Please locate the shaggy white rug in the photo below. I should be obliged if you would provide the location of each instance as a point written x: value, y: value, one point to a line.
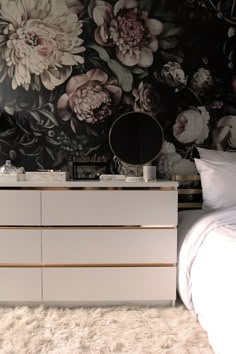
x: 102, y: 330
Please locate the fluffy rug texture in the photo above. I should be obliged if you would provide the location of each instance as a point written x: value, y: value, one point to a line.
x: 101, y: 330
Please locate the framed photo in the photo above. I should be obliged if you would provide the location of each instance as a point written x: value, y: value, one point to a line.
x: 89, y: 170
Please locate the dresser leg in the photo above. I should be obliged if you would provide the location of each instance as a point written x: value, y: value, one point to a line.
x: 173, y: 303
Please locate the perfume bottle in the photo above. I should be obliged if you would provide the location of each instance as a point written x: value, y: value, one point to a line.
x: 8, y: 168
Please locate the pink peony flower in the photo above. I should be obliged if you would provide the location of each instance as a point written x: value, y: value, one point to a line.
x: 131, y: 32
x: 89, y: 97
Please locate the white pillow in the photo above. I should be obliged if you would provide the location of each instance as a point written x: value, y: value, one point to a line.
x: 216, y: 155
x: 218, y: 183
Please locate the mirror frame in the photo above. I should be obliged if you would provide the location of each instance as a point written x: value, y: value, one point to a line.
x: 133, y: 113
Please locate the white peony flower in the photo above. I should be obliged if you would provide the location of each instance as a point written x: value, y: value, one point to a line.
x: 171, y: 163
x: 225, y: 132
x: 166, y: 163
x: 185, y: 167
x: 192, y: 126
x: 201, y: 81
x: 167, y: 160
x: 167, y: 148
x: 174, y: 74
x: 76, y: 6
x: 39, y: 43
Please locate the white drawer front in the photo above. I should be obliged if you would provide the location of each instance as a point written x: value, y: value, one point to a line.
x: 100, y: 246
x: 109, y: 284
x: 20, y: 284
x: 20, y: 246
x: 20, y: 207
x: 109, y: 207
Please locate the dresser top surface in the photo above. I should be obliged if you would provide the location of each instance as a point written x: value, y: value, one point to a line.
x: 88, y: 184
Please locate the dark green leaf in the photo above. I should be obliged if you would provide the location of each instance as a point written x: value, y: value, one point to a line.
x: 172, y: 55
x: 28, y: 143
x: 4, y: 142
x: 137, y: 70
x: 124, y: 76
x: 101, y: 52
x: 52, y: 141
x: 50, y: 153
x: 170, y: 29
x: 50, y: 116
x: 8, y: 133
x: 145, y: 5
x: 36, y: 116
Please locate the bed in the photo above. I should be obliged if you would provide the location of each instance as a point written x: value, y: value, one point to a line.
x: 207, y: 249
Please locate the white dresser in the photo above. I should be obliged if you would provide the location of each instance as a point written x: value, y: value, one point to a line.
x: 88, y: 242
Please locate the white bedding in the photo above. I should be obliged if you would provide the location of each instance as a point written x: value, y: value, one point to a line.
x: 207, y: 273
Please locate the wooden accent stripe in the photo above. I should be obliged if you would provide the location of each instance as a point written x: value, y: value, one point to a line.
x: 84, y: 265
x: 189, y: 205
x: 187, y: 178
x: 92, y: 227
x: 190, y: 191
x: 111, y: 265
x: 108, y: 187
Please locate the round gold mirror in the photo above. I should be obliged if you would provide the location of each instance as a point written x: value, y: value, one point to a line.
x: 136, y: 138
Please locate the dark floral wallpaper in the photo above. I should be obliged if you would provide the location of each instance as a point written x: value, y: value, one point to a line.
x: 69, y: 68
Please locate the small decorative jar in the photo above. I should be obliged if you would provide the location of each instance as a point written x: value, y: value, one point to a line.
x: 8, y: 168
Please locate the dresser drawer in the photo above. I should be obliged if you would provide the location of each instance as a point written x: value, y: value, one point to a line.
x: 109, y: 207
x: 20, y: 246
x: 20, y: 284
x: 20, y: 207
x: 112, y: 246
x: 109, y: 284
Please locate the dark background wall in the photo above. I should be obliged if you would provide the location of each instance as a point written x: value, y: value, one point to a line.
x: 69, y: 68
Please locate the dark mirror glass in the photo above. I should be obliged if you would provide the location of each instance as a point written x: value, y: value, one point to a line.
x: 136, y: 138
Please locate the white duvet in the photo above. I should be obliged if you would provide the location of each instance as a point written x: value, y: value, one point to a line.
x: 207, y: 273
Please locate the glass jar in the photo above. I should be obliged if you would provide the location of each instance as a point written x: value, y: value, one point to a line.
x: 8, y: 168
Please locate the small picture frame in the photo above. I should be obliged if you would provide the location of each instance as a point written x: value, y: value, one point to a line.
x: 88, y: 170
